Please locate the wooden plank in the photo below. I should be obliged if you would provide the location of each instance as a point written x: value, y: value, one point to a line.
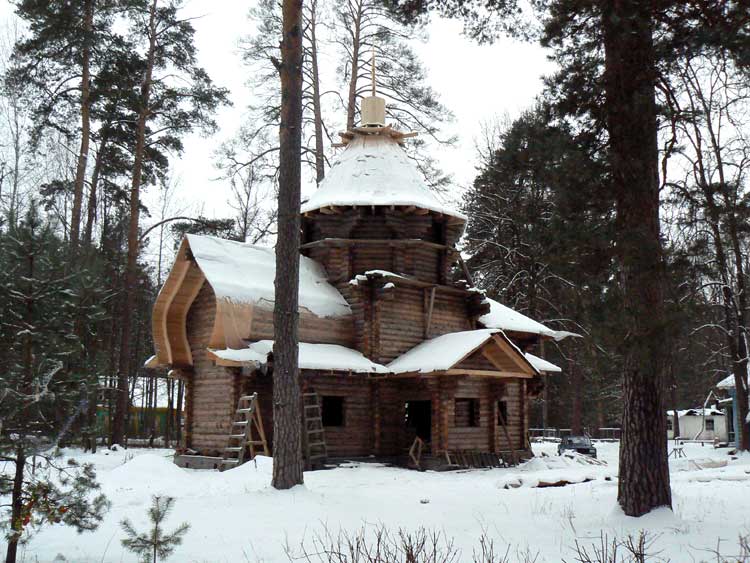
x: 161, y: 308
x: 428, y: 318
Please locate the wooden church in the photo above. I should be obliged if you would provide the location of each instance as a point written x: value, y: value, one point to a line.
x: 400, y: 357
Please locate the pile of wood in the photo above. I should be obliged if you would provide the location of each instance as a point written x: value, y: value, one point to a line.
x: 475, y: 459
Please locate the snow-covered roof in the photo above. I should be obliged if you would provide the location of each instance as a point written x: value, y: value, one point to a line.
x: 444, y: 352
x: 728, y: 382
x: 244, y: 273
x: 375, y: 170
x: 311, y: 356
x: 541, y: 364
x: 505, y: 318
x: 697, y: 412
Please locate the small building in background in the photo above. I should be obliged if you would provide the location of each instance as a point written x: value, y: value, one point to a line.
x: 729, y: 406
x: 708, y: 424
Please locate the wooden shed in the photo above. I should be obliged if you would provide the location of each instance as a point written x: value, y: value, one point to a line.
x: 395, y: 342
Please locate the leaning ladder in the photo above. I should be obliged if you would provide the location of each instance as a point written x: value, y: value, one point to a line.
x: 315, y: 437
x: 247, y: 424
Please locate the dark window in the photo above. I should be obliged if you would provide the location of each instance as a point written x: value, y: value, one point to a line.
x: 710, y: 424
x: 669, y: 424
x: 333, y: 411
x: 467, y: 412
x: 502, y: 413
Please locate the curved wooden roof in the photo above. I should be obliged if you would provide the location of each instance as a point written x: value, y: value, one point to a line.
x: 241, y: 277
x: 169, y: 318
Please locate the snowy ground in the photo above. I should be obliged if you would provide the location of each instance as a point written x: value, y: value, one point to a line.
x: 236, y: 516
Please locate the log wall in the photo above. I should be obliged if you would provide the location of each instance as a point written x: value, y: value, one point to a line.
x: 311, y: 328
x: 355, y: 437
x: 213, y: 390
x: 403, y: 319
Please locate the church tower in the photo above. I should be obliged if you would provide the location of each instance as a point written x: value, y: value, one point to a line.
x: 380, y: 232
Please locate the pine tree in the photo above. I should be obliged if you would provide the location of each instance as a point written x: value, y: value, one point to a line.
x: 156, y: 544
x: 55, y: 65
x: 623, y: 59
x: 287, y: 389
x: 175, y: 97
x: 42, y: 385
x: 538, y: 239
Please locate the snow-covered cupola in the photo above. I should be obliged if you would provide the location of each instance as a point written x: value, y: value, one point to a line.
x: 374, y: 194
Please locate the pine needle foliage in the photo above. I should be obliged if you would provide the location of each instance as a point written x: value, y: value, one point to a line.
x: 156, y: 544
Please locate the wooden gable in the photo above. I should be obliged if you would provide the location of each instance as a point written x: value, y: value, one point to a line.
x: 496, y: 357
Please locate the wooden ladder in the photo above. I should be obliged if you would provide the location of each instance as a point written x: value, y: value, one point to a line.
x: 247, y: 424
x: 315, y: 437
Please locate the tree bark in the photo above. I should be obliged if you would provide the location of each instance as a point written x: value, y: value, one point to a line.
x: 317, y: 111
x: 83, y: 153
x: 631, y: 121
x: 16, y: 525
x: 287, y: 400
x: 131, y: 271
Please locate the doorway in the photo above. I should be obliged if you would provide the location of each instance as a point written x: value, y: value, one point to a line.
x: 419, y: 418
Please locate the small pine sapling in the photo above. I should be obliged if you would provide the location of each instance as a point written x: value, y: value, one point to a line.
x: 155, y: 544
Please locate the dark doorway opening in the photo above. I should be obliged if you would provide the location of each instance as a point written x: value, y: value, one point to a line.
x: 419, y: 418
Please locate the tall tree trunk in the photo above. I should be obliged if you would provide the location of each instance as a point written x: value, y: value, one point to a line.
x: 317, y: 111
x: 88, y: 232
x: 351, y: 108
x: 170, y: 412
x: 16, y: 132
x: 287, y: 400
x: 741, y: 361
x: 576, y: 382
x: 131, y: 271
x: 83, y: 153
x: 16, y: 525
x: 631, y: 119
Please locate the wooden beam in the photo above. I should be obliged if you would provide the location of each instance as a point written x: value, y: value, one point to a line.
x: 428, y: 316
x: 376, y: 242
x: 490, y: 373
x: 466, y: 271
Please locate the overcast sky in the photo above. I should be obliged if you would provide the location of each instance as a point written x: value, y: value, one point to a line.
x: 475, y: 83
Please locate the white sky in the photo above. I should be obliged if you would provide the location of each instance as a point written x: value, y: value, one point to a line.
x: 474, y: 82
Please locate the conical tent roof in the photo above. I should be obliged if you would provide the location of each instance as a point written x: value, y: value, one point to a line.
x: 374, y: 170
